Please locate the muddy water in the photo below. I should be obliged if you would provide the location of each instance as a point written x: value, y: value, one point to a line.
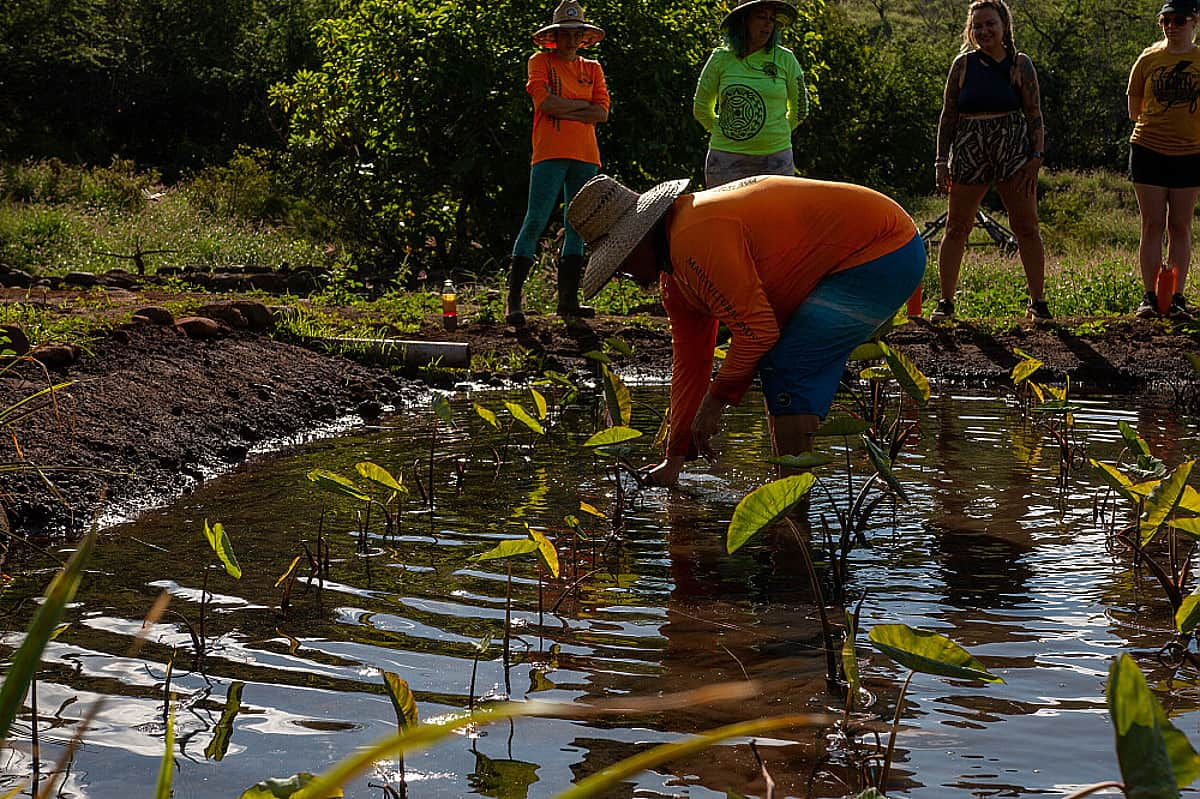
x: 992, y: 551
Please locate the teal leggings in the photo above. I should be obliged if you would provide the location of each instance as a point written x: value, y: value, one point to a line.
x: 546, y: 179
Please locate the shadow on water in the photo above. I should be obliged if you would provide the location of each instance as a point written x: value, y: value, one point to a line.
x: 992, y: 551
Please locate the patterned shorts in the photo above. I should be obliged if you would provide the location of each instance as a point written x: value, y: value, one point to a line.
x: 989, y: 150
x: 721, y: 167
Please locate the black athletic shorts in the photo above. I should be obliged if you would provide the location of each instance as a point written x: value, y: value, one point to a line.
x: 1169, y: 171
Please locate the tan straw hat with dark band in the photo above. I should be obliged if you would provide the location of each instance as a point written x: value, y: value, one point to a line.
x: 612, y: 219
x: 568, y: 16
x: 784, y: 12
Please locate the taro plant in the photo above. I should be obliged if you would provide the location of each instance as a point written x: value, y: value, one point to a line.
x: 1049, y: 409
x: 222, y: 547
x: 382, y: 491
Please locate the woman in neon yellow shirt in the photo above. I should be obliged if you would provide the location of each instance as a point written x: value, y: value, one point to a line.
x: 751, y: 95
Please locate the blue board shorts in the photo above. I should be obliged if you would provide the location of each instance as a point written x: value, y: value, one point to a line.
x: 801, y: 373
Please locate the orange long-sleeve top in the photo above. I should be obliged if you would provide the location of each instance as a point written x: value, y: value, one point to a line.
x: 747, y: 254
x: 581, y: 79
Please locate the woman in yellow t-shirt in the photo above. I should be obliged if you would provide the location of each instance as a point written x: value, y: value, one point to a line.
x: 1164, y: 151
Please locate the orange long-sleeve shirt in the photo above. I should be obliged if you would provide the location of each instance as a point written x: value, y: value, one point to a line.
x: 748, y: 255
x: 581, y: 79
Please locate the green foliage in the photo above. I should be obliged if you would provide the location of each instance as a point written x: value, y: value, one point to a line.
x: 928, y: 652
x: 166, y: 764
x: 764, y: 506
x: 1156, y: 759
x: 612, y: 435
x: 223, y: 547
x: 223, y: 732
x: 403, y: 700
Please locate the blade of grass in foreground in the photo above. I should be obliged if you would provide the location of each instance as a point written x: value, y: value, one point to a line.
x: 41, y: 629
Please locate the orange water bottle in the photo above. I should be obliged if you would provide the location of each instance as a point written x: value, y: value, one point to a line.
x: 1164, y: 287
x: 914, y: 302
x: 449, y: 306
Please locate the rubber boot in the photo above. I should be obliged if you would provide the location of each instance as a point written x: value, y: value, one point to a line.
x: 518, y: 270
x: 570, y: 272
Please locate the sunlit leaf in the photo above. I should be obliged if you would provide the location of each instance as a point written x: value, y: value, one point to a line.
x: 720, y: 353
x: 619, y: 345
x: 1163, y: 500
x: 618, y: 398
x: 842, y: 426
x: 539, y: 402
x: 1188, y: 615
x: 1136, y: 444
x: 291, y: 569
x: 337, y: 484
x: 1190, y: 501
x: 1025, y: 369
x: 441, y: 407
x: 1146, y: 766
x: 591, y: 510
x: 805, y: 460
x: 380, y: 476
x: 1189, y: 525
x: 928, y: 652
x: 876, y: 373
x: 868, y: 351
x: 223, y: 732
x: 288, y: 787
x: 166, y: 764
x: 883, y: 466
x: 599, y: 357
x: 522, y: 416
x: 1115, y: 480
x: 664, y: 430
x: 403, y: 700
x: 908, y: 374
x: 545, y: 548
x: 1194, y: 360
x: 764, y: 506
x: 850, y: 660
x: 611, y: 436
x: 509, y: 548
x: 220, y: 543
x: 1038, y: 393
x: 483, y: 644
x: 487, y: 416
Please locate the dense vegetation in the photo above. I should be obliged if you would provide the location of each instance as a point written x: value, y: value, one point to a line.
x: 401, y: 128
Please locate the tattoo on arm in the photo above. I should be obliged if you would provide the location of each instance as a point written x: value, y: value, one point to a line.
x: 948, y: 120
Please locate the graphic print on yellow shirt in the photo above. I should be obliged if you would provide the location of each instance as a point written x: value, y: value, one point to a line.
x: 1169, y: 85
x: 743, y: 112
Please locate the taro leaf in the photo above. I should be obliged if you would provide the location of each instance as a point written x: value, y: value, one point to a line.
x: 522, y: 416
x: 403, y: 701
x: 291, y: 569
x: 1190, y: 525
x: 1141, y: 727
x: 842, y: 426
x: 883, y: 466
x: 911, y: 379
x: 868, y: 351
x: 285, y: 788
x: 1190, y: 501
x: 1037, y: 390
x: 219, y: 744
x: 509, y: 548
x: 42, y: 628
x: 166, y: 766
x: 1056, y: 407
x: 618, y: 398
x: 805, y: 460
x: 850, y: 661
x: 483, y: 644
x: 620, y: 345
x: 1024, y: 370
x: 599, y: 357
x: 336, y: 483
x: 612, y: 436
x: 1163, y: 500
x: 380, y: 476
x: 720, y: 353
x: 1188, y: 615
x: 664, y: 430
x: 764, y: 506
x: 1115, y: 479
x: 487, y: 416
x: 1194, y: 360
x: 545, y: 548
x: 875, y: 373
x: 928, y: 652
x: 441, y: 407
x: 502, y: 778
x: 591, y: 510
x: 539, y: 402
x: 1137, y: 445
x: 220, y: 543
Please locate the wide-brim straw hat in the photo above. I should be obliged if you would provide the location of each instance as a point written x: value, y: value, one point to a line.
x: 568, y: 16
x: 785, y: 13
x: 613, y: 219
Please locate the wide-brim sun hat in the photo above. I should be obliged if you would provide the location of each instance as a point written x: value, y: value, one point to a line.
x: 568, y: 16
x: 785, y: 13
x: 1188, y: 7
x: 612, y: 219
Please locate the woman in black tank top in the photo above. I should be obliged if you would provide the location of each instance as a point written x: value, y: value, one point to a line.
x: 990, y: 133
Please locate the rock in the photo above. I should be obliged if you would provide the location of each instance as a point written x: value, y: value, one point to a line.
x: 155, y: 315
x: 81, y: 279
x: 13, y: 340
x: 271, y: 282
x: 119, y: 278
x: 258, y: 317
x: 55, y: 356
x: 16, y: 278
x: 223, y: 312
x: 200, y: 327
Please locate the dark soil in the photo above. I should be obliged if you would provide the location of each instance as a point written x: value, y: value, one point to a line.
x: 150, y: 411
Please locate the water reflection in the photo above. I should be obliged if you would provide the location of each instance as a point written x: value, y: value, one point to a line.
x: 992, y: 551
